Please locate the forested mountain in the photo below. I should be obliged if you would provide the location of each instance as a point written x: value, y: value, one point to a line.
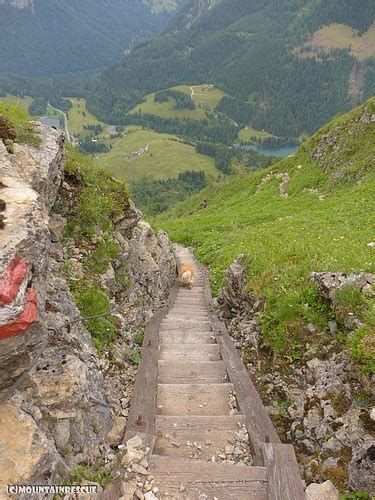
x: 44, y: 37
x: 254, y: 50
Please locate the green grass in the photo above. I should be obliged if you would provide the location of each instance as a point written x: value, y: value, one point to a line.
x: 101, y: 199
x: 92, y: 301
x: 165, y: 158
x: 21, y: 102
x: 246, y: 134
x: 284, y: 239
x: 78, y: 116
x: 19, y: 118
x: 166, y: 109
x: 204, y: 95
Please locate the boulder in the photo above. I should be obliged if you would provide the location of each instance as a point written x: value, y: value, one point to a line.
x: 323, y: 491
x: 117, y: 431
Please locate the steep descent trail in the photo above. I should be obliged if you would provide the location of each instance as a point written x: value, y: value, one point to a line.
x: 195, y: 406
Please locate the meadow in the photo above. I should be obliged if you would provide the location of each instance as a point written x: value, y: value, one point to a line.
x: 165, y: 158
x: 325, y: 223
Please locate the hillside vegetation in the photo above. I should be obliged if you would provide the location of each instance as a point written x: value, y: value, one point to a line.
x: 51, y: 37
x: 314, y: 211
x: 144, y: 153
x: 250, y: 50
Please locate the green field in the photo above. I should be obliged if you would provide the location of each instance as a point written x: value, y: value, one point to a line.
x: 165, y: 158
x: 23, y: 103
x: 166, y: 109
x: 337, y: 36
x: 204, y: 95
x: 247, y: 133
x: 324, y: 223
x: 78, y: 116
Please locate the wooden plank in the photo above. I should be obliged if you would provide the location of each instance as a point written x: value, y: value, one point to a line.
x: 233, y: 422
x: 203, y: 443
x: 142, y: 410
x: 258, y: 423
x: 187, y: 337
x: 194, y: 399
x: 184, y: 470
x: 284, y: 480
x: 254, y: 490
x: 188, y: 372
x: 194, y: 352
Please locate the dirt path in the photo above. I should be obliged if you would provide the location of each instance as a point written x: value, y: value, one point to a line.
x: 198, y: 412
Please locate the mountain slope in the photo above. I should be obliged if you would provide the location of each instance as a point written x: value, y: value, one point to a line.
x: 313, y: 211
x: 43, y: 37
x: 254, y: 51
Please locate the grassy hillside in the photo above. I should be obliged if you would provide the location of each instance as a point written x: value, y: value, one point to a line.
x: 314, y: 211
x: 252, y: 51
x: 341, y: 36
x: 53, y: 37
x: 165, y: 157
x: 167, y: 109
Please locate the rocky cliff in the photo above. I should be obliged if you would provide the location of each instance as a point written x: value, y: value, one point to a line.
x: 65, y: 381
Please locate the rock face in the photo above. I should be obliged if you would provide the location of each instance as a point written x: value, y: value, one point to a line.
x: 329, y: 401
x: 237, y: 307
x: 324, y: 491
x: 59, y: 400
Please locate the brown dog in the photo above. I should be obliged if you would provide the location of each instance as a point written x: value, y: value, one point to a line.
x: 186, y: 275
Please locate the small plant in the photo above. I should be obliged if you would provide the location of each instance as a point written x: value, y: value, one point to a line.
x: 138, y: 338
x: 349, y: 300
x: 355, y: 495
x: 123, y: 279
x: 132, y: 355
x: 100, y: 258
x: 362, y: 347
x: 92, y: 301
x: 82, y: 473
x: 16, y: 125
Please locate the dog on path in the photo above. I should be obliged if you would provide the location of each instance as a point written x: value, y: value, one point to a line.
x: 186, y: 275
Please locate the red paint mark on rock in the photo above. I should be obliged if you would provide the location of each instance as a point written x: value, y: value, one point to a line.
x: 24, y: 320
x: 13, y: 277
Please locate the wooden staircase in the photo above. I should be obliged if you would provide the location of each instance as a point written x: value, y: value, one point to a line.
x: 196, y: 407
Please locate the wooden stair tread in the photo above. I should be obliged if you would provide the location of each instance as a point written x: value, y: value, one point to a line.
x: 198, y: 352
x: 194, y: 399
x: 203, y: 443
x: 185, y: 372
x: 213, y: 422
x: 194, y: 471
x: 186, y: 337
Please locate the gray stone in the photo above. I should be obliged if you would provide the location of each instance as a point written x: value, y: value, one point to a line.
x: 361, y: 469
x: 116, y: 434
x: 323, y: 491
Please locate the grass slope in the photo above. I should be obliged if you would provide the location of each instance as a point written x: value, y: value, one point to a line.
x: 167, y: 110
x: 246, y: 134
x: 165, y: 158
x: 325, y: 223
x: 21, y: 102
x: 78, y: 116
x: 205, y: 95
x: 341, y: 36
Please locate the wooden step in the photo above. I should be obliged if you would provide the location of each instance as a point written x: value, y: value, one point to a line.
x: 187, y: 337
x: 194, y: 399
x: 186, y: 306
x: 193, y: 352
x: 169, y: 324
x: 182, y: 372
x: 205, y: 442
x: 188, y: 479
x: 194, y: 423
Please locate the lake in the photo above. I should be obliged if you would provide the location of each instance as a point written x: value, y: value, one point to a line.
x: 278, y: 151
